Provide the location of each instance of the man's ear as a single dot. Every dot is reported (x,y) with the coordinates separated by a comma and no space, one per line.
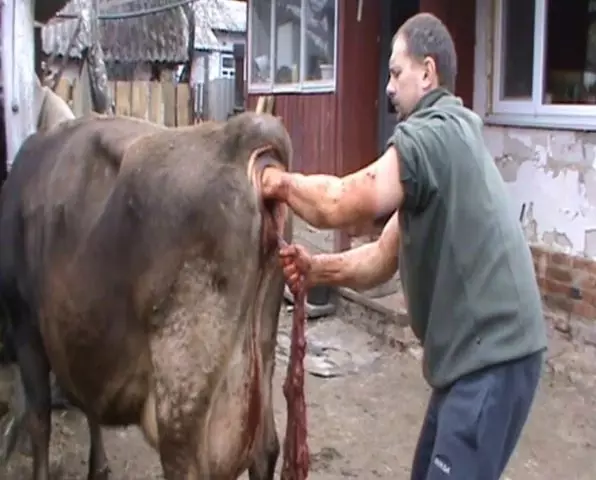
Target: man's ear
(430,70)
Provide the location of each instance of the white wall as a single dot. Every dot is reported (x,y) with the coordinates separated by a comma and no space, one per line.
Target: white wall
(550,170)
(226,46)
(554,173)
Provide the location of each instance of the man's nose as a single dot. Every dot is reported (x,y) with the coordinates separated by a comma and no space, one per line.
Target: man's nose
(389,91)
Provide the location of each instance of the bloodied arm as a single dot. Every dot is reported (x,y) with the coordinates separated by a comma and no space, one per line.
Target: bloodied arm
(360,268)
(326,201)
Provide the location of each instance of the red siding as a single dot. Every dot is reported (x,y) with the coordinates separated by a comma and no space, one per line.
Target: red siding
(358,89)
(312,124)
(460,18)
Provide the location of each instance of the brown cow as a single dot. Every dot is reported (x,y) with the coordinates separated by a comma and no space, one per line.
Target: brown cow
(136,264)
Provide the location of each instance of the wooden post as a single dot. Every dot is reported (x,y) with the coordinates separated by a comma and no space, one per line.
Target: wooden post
(18,74)
(206,113)
(239,105)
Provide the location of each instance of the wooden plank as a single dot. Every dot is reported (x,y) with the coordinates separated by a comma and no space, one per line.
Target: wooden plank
(85,102)
(123,94)
(77,103)
(156,103)
(140,99)
(112,90)
(260,108)
(169,103)
(63,89)
(183,105)
(270,104)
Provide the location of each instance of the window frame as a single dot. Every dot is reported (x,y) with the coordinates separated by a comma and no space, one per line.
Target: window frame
(302,86)
(488,58)
(226,72)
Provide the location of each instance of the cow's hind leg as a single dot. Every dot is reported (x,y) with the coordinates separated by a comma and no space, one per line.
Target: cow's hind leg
(266,456)
(98,460)
(184,370)
(35,374)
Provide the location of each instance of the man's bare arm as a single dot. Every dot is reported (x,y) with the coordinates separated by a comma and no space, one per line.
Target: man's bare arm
(363,267)
(326,201)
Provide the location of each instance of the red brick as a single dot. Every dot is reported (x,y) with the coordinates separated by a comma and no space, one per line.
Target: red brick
(582,263)
(559,302)
(560,274)
(584,309)
(559,258)
(554,287)
(589,295)
(557,273)
(540,264)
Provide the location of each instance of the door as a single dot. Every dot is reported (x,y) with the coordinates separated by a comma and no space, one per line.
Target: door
(394,14)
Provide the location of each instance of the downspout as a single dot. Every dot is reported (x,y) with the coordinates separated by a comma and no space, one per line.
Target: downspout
(18,73)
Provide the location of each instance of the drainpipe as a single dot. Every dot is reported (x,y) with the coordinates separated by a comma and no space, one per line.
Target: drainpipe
(239,57)
(18,73)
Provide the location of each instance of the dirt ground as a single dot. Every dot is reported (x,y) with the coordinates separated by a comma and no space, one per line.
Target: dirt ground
(364,422)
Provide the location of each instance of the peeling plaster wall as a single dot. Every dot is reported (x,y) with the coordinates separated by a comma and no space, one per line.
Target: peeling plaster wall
(554,173)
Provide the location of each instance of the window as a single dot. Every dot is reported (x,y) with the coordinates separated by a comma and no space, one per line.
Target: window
(228,67)
(292,45)
(544,62)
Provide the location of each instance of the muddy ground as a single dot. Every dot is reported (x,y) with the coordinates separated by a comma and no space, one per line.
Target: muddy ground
(363,423)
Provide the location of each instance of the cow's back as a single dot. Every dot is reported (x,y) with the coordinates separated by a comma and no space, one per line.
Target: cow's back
(58,184)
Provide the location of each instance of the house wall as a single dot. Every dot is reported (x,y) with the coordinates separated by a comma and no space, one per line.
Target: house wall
(226,41)
(199,64)
(553,172)
(336,132)
(328,130)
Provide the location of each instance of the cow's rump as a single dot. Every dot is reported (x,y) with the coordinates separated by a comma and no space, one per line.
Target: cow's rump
(138,250)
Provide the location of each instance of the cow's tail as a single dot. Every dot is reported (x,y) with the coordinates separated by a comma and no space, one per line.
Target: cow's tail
(249,131)
(12,425)
(12,420)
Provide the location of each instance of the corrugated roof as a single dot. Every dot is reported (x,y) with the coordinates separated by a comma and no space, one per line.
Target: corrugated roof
(223,15)
(229,16)
(155,37)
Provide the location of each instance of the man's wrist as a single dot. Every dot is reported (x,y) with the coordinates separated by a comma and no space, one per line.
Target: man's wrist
(326,269)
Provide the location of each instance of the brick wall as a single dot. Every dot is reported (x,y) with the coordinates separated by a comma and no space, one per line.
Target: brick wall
(566,282)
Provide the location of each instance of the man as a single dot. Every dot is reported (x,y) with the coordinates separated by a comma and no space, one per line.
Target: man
(464,262)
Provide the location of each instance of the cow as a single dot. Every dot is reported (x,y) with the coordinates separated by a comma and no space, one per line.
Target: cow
(138,263)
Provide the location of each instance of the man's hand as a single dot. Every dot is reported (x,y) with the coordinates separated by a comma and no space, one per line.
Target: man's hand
(360,268)
(297,264)
(274,184)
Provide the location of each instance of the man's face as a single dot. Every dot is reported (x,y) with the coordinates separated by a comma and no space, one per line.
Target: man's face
(409,79)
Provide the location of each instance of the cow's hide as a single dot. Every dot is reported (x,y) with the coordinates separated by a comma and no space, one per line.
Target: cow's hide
(137,252)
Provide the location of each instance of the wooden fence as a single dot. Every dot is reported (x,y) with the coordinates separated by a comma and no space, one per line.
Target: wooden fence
(216,98)
(159,102)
